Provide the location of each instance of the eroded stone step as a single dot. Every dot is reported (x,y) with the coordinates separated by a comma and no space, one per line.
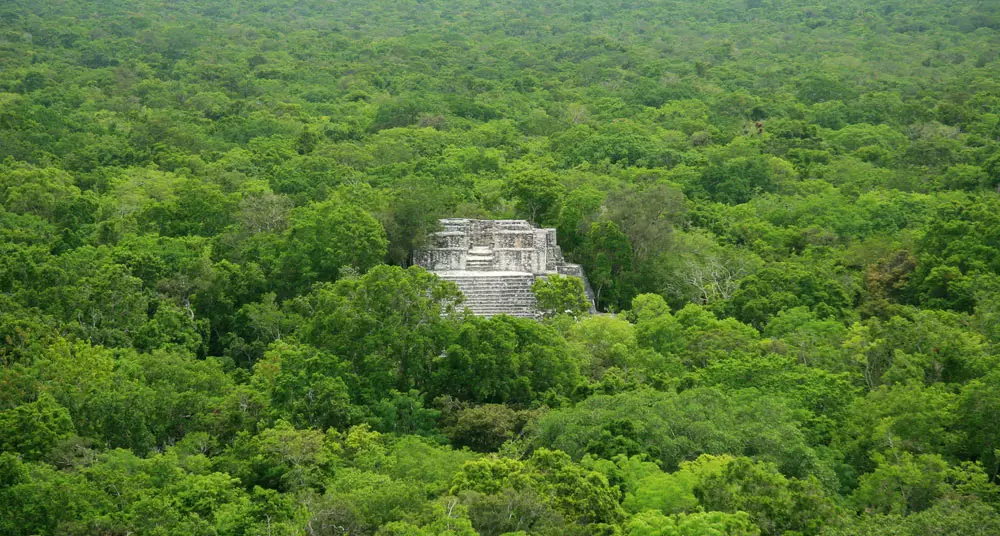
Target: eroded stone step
(521,314)
(465,284)
(492,299)
(487,278)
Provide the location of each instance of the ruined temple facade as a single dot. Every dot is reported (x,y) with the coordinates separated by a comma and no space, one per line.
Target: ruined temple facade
(495,262)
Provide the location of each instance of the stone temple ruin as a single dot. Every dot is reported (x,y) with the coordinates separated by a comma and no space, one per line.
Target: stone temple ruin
(495,262)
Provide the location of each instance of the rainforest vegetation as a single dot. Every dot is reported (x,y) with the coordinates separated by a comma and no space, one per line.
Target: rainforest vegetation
(788,210)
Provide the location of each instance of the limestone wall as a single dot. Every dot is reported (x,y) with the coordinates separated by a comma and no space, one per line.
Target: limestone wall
(441,259)
(515,260)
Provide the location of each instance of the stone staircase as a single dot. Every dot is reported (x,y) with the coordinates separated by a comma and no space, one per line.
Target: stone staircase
(479,258)
(495,293)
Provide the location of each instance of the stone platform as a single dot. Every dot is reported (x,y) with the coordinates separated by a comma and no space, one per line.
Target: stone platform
(494,293)
(495,262)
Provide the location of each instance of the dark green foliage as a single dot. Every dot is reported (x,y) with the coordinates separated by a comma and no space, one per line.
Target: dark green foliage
(485,428)
(671,428)
(738,180)
(607,259)
(33,429)
(537,193)
(784,286)
(390,324)
(505,360)
(325,239)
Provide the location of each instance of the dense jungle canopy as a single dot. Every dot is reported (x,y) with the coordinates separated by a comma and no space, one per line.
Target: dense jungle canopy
(789,212)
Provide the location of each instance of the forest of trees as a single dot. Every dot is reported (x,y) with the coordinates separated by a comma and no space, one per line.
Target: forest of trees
(789,211)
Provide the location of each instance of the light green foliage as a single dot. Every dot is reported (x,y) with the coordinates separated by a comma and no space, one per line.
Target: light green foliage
(417,460)
(878,144)
(674,493)
(603,342)
(701,523)
(44,192)
(365,500)
(171,327)
(694,335)
(647,307)
(305,386)
(280,457)
(945,517)
(448,518)
(557,294)
(39,499)
(152,496)
(812,341)
(776,504)
(409,465)
(623,143)
(33,429)
(566,493)
(903,483)
(822,398)
(978,406)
